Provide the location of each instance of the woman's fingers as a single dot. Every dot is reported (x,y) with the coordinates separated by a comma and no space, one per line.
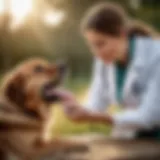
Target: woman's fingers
(70,107)
(73,110)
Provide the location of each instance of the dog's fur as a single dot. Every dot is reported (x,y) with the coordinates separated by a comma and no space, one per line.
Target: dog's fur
(22,98)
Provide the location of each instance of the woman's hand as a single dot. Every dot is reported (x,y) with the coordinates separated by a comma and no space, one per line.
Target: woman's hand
(76,112)
(71,107)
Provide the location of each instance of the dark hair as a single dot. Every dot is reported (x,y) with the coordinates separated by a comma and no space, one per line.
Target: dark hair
(111,18)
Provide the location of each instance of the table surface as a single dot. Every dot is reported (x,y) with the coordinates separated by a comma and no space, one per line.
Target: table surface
(103,148)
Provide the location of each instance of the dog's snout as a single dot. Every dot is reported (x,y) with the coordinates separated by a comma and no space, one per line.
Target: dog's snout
(62,68)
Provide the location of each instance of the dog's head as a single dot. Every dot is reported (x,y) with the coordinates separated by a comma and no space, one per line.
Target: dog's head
(31,85)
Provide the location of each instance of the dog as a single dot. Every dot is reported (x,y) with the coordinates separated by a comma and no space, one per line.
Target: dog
(27,92)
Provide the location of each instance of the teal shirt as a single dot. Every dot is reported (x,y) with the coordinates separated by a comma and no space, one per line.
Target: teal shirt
(121,70)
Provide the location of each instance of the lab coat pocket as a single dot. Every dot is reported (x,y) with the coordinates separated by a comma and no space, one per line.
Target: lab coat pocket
(133,87)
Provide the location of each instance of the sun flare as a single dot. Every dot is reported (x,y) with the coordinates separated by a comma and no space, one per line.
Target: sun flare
(53,18)
(20,8)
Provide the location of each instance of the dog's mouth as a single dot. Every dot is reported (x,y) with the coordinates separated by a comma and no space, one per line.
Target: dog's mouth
(48,92)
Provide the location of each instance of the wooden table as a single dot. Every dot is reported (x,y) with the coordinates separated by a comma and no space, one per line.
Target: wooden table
(102,148)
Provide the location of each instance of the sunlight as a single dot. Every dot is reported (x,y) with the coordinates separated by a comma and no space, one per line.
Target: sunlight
(20,9)
(2,7)
(53,18)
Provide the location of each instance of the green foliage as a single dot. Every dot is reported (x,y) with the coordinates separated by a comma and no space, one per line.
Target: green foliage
(64,41)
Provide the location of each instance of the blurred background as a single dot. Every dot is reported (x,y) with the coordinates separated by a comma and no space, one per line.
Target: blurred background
(50,29)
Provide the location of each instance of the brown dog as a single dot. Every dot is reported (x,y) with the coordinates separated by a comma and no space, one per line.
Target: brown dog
(26,94)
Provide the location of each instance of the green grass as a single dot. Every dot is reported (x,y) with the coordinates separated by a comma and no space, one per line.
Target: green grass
(65,126)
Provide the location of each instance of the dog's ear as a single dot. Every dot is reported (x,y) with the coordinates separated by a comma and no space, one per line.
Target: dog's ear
(15,89)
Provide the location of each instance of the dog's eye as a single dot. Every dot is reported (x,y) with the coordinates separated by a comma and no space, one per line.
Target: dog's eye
(39,69)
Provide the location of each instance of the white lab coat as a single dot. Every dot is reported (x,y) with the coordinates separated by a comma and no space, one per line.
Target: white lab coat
(142,87)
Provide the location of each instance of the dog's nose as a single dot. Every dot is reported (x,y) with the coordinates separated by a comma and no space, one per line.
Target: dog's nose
(62,67)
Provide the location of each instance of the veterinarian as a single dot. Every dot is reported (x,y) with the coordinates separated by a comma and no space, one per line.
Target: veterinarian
(126,71)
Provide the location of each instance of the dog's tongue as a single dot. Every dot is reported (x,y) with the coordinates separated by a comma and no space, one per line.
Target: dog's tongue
(62,94)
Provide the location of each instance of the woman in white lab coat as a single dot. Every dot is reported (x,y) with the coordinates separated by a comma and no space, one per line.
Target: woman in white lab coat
(126,71)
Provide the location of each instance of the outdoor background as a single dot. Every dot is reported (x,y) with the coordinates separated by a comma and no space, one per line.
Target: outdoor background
(50,29)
